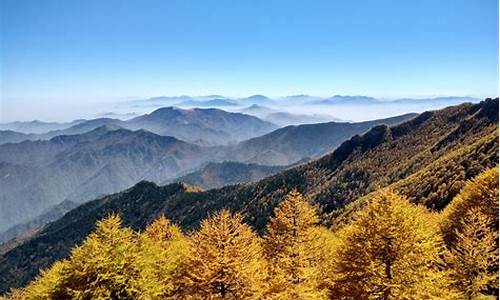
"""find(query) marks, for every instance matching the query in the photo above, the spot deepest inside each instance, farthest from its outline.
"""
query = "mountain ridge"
(110, 158)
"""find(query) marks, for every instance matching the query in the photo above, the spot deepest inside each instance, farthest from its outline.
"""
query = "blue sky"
(60, 51)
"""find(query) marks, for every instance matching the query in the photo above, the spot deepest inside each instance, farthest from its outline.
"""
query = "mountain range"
(219, 100)
(283, 118)
(36, 127)
(36, 175)
(198, 126)
(427, 159)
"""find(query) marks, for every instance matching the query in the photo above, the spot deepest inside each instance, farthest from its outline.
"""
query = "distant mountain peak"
(258, 97)
(256, 106)
(298, 96)
(355, 97)
(168, 110)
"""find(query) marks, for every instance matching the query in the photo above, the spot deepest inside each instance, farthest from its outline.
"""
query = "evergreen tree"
(390, 251)
(225, 261)
(473, 259)
(293, 243)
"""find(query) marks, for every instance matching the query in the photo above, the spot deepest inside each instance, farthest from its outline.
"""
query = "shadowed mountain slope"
(37, 175)
(216, 175)
(290, 144)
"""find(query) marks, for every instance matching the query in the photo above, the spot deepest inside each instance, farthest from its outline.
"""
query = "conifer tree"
(325, 247)
(162, 250)
(480, 193)
(473, 258)
(47, 284)
(225, 260)
(293, 243)
(390, 251)
(101, 268)
(17, 294)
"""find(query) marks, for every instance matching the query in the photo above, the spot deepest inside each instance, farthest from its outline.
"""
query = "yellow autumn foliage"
(225, 260)
(388, 249)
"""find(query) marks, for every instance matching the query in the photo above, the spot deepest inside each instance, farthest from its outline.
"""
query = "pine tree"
(162, 250)
(473, 259)
(293, 243)
(225, 261)
(482, 194)
(390, 251)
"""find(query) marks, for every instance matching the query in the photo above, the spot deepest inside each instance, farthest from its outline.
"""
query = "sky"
(65, 55)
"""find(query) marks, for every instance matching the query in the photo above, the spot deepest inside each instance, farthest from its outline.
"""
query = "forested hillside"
(391, 249)
(426, 160)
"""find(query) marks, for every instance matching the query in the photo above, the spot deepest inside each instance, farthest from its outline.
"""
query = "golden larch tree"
(103, 267)
(390, 251)
(293, 244)
(225, 260)
(480, 193)
(162, 248)
(473, 258)
(47, 285)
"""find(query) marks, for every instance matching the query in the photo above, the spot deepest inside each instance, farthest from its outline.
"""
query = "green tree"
(225, 261)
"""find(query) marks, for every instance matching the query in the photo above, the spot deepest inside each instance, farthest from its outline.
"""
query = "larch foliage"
(292, 246)
(162, 248)
(17, 294)
(101, 268)
(47, 285)
(20, 294)
(473, 258)
(480, 193)
(390, 251)
(225, 260)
